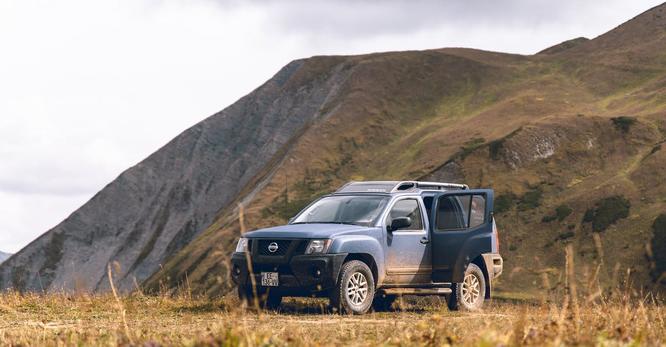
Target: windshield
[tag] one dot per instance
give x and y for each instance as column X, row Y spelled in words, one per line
column 359, row 210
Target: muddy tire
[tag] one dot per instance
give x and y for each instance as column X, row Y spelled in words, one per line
column 355, row 289
column 471, row 293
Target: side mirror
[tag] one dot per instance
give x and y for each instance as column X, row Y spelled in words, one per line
column 400, row 222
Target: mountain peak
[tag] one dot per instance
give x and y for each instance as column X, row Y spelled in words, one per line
column 643, row 32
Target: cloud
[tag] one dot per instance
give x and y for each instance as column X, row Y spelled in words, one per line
column 90, row 88
column 495, row 21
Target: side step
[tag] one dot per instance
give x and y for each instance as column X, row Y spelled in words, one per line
column 417, row 291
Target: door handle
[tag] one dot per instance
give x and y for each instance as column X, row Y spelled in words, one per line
column 424, row 240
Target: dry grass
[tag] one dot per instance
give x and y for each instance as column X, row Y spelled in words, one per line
column 55, row 320
column 579, row 312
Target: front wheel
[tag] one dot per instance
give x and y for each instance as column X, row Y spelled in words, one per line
column 355, row 290
column 470, row 294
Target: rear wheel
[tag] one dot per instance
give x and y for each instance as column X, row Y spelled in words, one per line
column 470, row 294
column 355, row 290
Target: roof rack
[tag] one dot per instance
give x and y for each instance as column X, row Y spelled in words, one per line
column 405, row 185
column 396, row 186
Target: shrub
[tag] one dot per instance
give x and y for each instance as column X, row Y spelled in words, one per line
column 530, row 200
column 548, row 219
column 659, row 244
column 561, row 212
column 565, row 235
column 504, row 202
column 606, row 212
column 623, row 123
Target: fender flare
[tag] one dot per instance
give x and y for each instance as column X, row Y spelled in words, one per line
column 361, row 245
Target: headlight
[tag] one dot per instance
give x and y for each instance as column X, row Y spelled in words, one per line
column 241, row 246
column 318, row 246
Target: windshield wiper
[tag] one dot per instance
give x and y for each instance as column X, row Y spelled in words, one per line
column 346, row 223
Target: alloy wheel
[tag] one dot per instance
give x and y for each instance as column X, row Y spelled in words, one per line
column 357, row 288
column 471, row 289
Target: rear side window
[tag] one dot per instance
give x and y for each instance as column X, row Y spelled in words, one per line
column 477, row 214
column 456, row 212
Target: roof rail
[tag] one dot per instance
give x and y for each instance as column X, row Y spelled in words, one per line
column 404, row 185
column 396, row 186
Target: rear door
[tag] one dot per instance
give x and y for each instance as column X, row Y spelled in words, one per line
column 461, row 230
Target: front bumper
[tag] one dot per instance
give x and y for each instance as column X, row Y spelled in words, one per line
column 303, row 275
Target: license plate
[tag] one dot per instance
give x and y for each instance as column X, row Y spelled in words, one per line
column 269, row 279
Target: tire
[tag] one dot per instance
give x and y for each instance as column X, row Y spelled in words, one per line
column 383, row 302
column 355, row 289
column 266, row 300
column 471, row 293
column 245, row 294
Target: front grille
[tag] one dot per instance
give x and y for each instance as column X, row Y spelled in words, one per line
column 281, row 268
column 282, row 247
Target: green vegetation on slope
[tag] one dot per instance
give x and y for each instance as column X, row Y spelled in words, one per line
column 504, row 202
column 530, row 200
column 623, row 123
column 541, row 130
column 561, row 212
column 606, row 212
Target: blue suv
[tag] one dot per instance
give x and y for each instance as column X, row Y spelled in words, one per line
column 370, row 242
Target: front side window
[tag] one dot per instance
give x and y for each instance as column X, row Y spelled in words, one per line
column 359, row 210
column 406, row 208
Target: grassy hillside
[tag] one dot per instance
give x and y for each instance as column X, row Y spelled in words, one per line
column 569, row 138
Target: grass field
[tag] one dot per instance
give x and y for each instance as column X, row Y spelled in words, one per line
column 57, row 320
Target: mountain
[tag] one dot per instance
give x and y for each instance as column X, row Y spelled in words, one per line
column 4, row 256
column 155, row 208
column 570, row 138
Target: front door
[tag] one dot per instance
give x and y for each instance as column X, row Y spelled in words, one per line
column 461, row 230
column 408, row 251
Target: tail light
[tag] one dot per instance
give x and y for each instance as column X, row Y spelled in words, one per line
column 496, row 236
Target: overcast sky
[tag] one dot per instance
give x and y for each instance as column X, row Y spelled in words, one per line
column 90, row 88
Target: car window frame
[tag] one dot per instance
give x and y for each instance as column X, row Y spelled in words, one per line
column 469, row 211
column 421, row 206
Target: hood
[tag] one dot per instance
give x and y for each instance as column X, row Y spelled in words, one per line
column 309, row 231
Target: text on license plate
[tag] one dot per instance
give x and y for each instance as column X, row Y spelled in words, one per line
column 269, row 279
